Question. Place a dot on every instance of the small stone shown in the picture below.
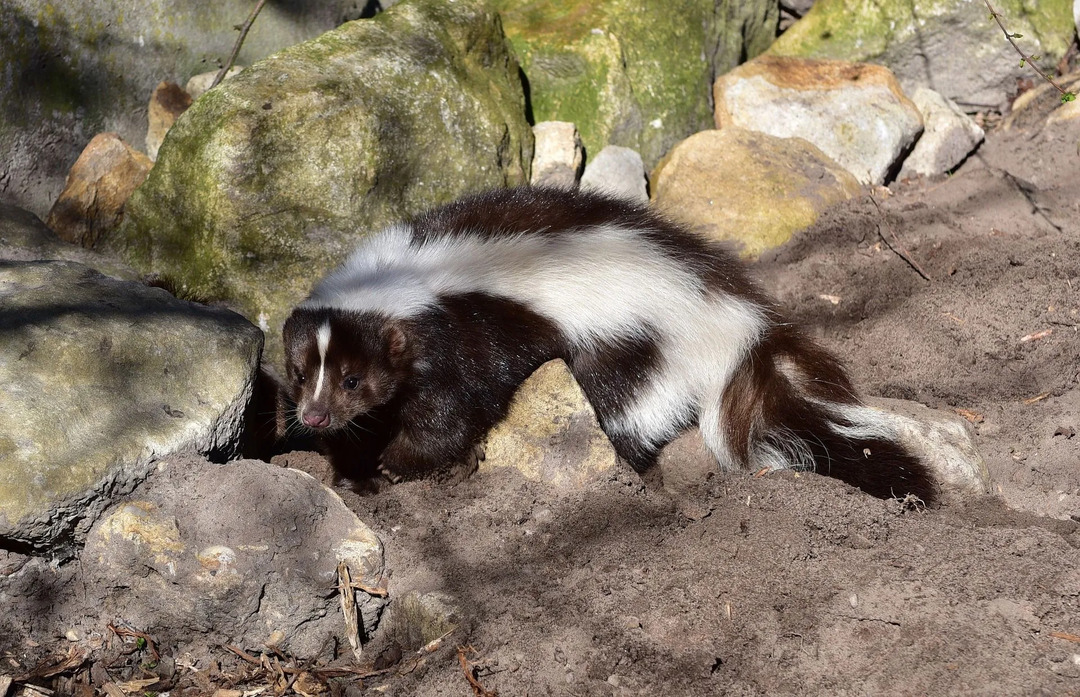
(168, 101)
(617, 171)
(99, 184)
(949, 136)
(557, 156)
(71, 635)
(198, 84)
(853, 600)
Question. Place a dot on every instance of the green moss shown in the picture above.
(268, 180)
(631, 72)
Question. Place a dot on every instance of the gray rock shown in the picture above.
(855, 112)
(751, 188)
(949, 135)
(244, 553)
(23, 237)
(951, 46)
(203, 555)
(280, 170)
(619, 171)
(943, 441)
(74, 69)
(198, 84)
(632, 73)
(102, 378)
(557, 156)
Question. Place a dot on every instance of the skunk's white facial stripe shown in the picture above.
(322, 338)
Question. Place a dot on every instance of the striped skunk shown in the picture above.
(433, 324)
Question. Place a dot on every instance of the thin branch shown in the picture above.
(898, 249)
(244, 28)
(1025, 58)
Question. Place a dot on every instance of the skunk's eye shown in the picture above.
(300, 379)
(351, 383)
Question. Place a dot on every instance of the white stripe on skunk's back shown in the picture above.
(598, 282)
(606, 282)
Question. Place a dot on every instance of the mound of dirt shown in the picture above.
(962, 294)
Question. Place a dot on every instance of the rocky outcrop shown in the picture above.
(74, 69)
(101, 379)
(632, 73)
(951, 46)
(751, 188)
(856, 113)
(269, 179)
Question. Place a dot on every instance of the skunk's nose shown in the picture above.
(316, 418)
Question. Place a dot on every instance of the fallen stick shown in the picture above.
(1066, 636)
(478, 689)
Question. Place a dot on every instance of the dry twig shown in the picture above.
(898, 249)
(348, 609)
(244, 29)
(125, 632)
(47, 669)
(1036, 398)
(477, 688)
(1066, 636)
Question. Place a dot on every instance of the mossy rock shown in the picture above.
(269, 179)
(951, 46)
(632, 72)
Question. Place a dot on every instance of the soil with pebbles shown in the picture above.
(962, 293)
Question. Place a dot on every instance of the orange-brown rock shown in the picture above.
(98, 186)
(168, 101)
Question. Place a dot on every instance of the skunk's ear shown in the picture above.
(398, 346)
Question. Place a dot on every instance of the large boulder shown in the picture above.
(23, 237)
(855, 112)
(751, 188)
(632, 72)
(74, 69)
(101, 379)
(951, 46)
(244, 553)
(269, 180)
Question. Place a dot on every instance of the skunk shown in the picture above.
(433, 324)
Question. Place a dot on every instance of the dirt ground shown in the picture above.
(797, 584)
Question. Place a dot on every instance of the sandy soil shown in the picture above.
(794, 584)
(797, 584)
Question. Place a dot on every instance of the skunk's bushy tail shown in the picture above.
(791, 404)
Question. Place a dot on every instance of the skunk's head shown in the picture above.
(341, 364)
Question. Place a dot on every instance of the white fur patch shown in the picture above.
(322, 339)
